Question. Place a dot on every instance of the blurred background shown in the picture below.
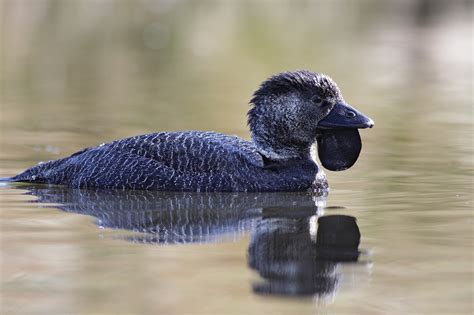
(114, 68)
(79, 73)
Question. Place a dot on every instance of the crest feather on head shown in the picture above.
(302, 80)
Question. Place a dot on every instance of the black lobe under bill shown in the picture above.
(339, 149)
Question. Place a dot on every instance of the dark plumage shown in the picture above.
(291, 111)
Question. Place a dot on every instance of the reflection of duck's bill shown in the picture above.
(338, 238)
(345, 116)
(337, 254)
(339, 231)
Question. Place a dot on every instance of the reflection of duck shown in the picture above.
(286, 254)
(291, 111)
(285, 248)
(173, 217)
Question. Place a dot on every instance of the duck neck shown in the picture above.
(278, 151)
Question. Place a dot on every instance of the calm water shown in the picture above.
(77, 74)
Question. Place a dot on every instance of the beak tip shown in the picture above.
(370, 123)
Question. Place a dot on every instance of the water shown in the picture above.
(77, 74)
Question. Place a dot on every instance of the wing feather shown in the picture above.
(192, 151)
(165, 161)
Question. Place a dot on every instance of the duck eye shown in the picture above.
(316, 100)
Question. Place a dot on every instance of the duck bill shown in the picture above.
(345, 116)
(339, 142)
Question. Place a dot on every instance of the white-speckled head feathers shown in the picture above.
(286, 109)
(297, 80)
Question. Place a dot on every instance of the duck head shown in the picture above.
(293, 110)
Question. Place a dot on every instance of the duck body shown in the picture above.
(291, 112)
(175, 161)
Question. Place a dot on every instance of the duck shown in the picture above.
(293, 117)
